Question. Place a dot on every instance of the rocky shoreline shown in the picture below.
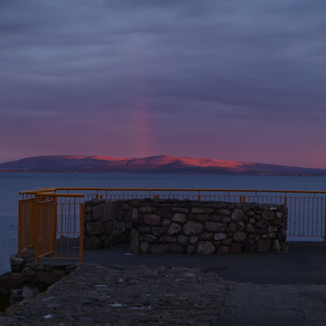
(121, 295)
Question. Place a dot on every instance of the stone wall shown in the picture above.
(28, 278)
(106, 223)
(186, 227)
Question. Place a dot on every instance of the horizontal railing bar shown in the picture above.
(36, 191)
(58, 195)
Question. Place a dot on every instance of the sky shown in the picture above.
(230, 80)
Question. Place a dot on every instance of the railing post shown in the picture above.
(325, 220)
(37, 230)
(53, 225)
(81, 237)
(20, 227)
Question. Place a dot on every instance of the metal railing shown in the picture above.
(51, 225)
(51, 220)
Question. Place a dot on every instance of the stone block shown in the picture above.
(236, 248)
(17, 263)
(215, 227)
(179, 217)
(220, 236)
(191, 228)
(158, 230)
(193, 240)
(205, 248)
(202, 210)
(92, 242)
(232, 227)
(5, 285)
(134, 241)
(144, 247)
(182, 239)
(173, 229)
(175, 248)
(264, 245)
(95, 228)
(167, 238)
(224, 211)
(166, 222)
(207, 236)
(223, 250)
(239, 236)
(237, 215)
(152, 219)
(160, 249)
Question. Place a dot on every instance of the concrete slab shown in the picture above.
(303, 263)
(289, 304)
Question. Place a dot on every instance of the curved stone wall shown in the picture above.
(186, 227)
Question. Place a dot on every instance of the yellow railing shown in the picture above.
(51, 220)
(50, 225)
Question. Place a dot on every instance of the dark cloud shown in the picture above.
(190, 65)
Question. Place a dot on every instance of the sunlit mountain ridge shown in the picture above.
(152, 164)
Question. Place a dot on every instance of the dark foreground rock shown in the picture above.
(120, 295)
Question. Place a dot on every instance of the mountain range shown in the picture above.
(152, 164)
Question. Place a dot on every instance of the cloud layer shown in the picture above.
(234, 80)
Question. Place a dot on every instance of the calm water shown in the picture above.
(12, 183)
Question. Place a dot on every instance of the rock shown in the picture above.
(250, 228)
(179, 217)
(175, 248)
(202, 217)
(264, 245)
(17, 263)
(219, 236)
(223, 250)
(144, 247)
(144, 209)
(158, 230)
(237, 215)
(239, 236)
(182, 239)
(160, 249)
(173, 229)
(16, 280)
(5, 285)
(202, 210)
(191, 228)
(152, 219)
(227, 242)
(148, 237)
(205, 248)
(225, 212)
(268, 215)
(120, 228)
(193, 240)
(134, 241)
(236, 248)
(215, 218)
(207, 236)
(92, 242)
(166, 238)
(95, 228)
(215, 227)
(225, 220)
(232, 227)
(28, 271)
(276, 246)
(165, 212)
(166, 222)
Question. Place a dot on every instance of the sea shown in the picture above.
(11, 183)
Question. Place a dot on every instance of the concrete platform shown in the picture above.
(274, 288)
(303, 263)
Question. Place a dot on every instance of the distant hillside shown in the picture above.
(153, 164)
